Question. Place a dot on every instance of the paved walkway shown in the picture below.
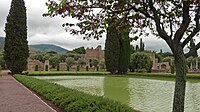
(14, 97)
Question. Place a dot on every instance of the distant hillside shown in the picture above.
(38, 47)
(46, 48)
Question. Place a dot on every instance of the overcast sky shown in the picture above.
(46, 30)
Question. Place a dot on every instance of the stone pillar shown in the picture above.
(197, 64)
(191, 66)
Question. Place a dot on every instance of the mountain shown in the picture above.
(46, 48)
(38, 47)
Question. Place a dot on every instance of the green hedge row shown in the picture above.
(164, 75)
(71, 100)
(58, 73)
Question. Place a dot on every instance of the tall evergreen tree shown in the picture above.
(112, 49)
(16, 44)
(124, 58)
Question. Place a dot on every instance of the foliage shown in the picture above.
(94, 62)
(112, 49)
(63, 73)
(192, 48)
(70, 61)
(78, 68)
(124, 57)
(87, 68)
(2, 61)
(177, 23)
(73, 55)
(36, 67)
(46, 67)
(16, 44)
(97, 68)
(173, 69)
(169, 59)
(58, 67)
(80, 50)
(102, 65)
(141, 60)
(71, 100)
(82, 62)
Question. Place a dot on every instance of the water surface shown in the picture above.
(144, 94)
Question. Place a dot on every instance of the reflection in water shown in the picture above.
(116, 89)
(146, 95)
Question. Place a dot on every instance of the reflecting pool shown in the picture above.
(144, 94)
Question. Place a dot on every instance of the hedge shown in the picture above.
(60, 73)
(71, 100)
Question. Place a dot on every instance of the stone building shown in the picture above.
(159, 67)
(96, 53)
(31, 65)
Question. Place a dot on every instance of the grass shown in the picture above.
(90, 73)
(71, 100)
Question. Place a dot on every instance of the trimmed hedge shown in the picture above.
(71, 100)
(60, 73)
(164, 75)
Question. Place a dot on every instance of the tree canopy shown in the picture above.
(176, 22)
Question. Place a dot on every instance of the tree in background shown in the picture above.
(112, 49)
(70, 61)
(81, 61)
(141, 60)
(16, 44)
(80, 50)
(192, 48)
(176, 25)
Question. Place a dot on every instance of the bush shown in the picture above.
(97, 68)
(172, 69)
(68, 67)
(46, 68)
(36, 68)
(78, 68)
(58, 68)
(87, 68)
(141, 60)
(71, 100)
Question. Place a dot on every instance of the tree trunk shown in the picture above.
(180, 85)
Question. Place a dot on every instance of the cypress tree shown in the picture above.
(112, 49)
(16, 44)
(124, 58)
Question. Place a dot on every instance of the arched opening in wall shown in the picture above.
(163, 66)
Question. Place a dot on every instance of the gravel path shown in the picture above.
(14, 97)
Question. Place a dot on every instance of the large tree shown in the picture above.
(16, 44)
(112, 49)
(173, 21)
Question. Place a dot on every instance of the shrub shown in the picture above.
(58, 68)
(172, 69)
(71, 100)
(68, 67)
(46, 68)
(87, 68)
(36, 68)
(97, 68)
(78, 68)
